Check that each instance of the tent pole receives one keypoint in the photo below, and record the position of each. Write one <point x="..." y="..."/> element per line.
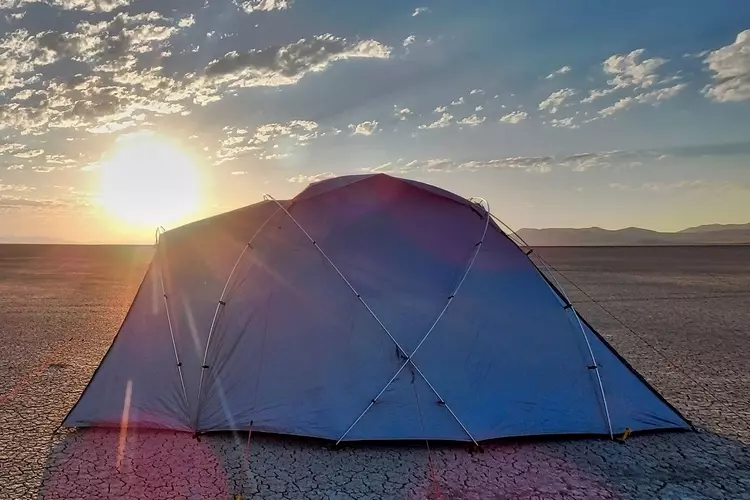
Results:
<point x="372" y="313"/>
<point x="219" y="306"/>
<point x="595" y="365"/>
<point x="159" y="231"/>
<point x="409" y="359"/>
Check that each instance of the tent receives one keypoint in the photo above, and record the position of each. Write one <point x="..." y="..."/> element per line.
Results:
<point x="367" y="307"/>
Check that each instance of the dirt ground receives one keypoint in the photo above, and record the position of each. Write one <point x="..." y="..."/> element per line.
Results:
<point x="684" y="323"/>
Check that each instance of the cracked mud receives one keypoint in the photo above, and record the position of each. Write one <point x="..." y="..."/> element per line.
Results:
<point x="60" y="308"/>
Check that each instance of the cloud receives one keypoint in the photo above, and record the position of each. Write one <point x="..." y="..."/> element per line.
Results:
<point x="287" y="64"/>
<point x="264" y="5"/>
<point x="420" y="10"/>
<point x="561" y="71"/>
<point x="731" y="70"/>
<point x="476" y="91"/>
<point x="23" y="202"/>
<point x="403" y="113"/>
<point x="409" y="40"/>
<point x="15" y="187"/>
<point x="555" y="100"/>
<point x="564" y="123"/>
<point x="457" y="102"/>
<point x="32" y="153"/>
<point x="84" y="5"/>
<point x="685" y="185"/>
<point x="530" y="164"/>
<point x="445" y="120"/>
<point x="630" y="71"/>
<point x="654" y="97"/>
<point x="596" y="94"/>
<point x="580" y="162"/>
<point x="309" y="179"/>
<point x="364" y="128"/>
<point x="515" y="117"/>
<point x="266" y="139"/>
<point x="472" y="120"/>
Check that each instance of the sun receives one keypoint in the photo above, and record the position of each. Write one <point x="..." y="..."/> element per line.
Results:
<point x="148" y="181"/>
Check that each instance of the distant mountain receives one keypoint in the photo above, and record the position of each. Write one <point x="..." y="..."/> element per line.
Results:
<point x="715" y="227"/>
<point x="31" y="240"/>
<point x="713" y="234"/>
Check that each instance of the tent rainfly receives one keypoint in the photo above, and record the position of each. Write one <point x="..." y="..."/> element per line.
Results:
<point x="368" y="307"/>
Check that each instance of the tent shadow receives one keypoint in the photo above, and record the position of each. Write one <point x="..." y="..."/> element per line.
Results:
<point x="99" y="463"/>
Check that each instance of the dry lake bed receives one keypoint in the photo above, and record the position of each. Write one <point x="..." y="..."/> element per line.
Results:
<point x="684" y="323"/>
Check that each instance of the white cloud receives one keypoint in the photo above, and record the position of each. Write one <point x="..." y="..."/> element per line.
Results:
<point x="264" y="5"/>
<point x="186" y="22"/>
<point x="420" y="10"/>
<point x="479" y="108"/>
<point x="731" y="67"/>
<point x="309" y="179"/>
<point x="364" y="128"/>
<point x="457" y="102"/>
<point x="476" y="91"/>
<point x="409" y="40"/>
<point x="472" y="120"/>
<point x="580" y="162"/>
<point x="403" y="113"/>
<point x="264" y="141"/>
<point x="564" y="123"/>
<point x="514" y="117"/>
<point x="440" y="109"/>
<point x="629" y="71"/>
<point x="286" y="65"/>
<point x="31" y="153"/>
<point x="445" y="120"/>
<point x="555" y="100"/>
<point x="596" y="94"/>
<point x="15" y="187"/>
<point x="561" y="71"/>
<point x="654" y="97"/>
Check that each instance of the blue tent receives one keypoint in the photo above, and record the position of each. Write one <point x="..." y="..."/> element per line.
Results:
<point x="366" y="308"/>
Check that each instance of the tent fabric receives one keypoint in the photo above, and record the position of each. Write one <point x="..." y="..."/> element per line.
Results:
<point x="295" y="351"/>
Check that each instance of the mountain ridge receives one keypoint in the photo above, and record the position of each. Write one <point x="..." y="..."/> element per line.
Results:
<point x="709" y="234"/>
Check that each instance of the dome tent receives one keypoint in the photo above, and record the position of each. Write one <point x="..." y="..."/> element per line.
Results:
<point x="366" y="308"/>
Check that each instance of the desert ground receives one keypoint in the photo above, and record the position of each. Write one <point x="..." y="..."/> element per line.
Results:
<point x="684" y="323"/>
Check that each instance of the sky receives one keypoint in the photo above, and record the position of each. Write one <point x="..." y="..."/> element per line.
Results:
<point x="560" y="114"/>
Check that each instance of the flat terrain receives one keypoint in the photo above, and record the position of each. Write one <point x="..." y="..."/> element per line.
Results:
<point x="688" y="309"/>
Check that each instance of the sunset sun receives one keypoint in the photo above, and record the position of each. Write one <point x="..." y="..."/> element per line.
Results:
<point x="148" y="181"/>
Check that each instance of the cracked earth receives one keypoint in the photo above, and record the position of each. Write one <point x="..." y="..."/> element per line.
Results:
<point x="689" y="309"/>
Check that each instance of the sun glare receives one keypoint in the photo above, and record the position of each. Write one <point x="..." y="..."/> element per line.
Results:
<point x="148" y="181"/>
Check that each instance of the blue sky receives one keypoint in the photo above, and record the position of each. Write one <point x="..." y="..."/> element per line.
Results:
<point x="574" y="114"/>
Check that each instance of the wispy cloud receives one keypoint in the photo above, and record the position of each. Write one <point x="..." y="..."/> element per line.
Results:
<point x="654" y="97"/>
<point x="309" y="179"/>
<point x="264" y="5"/>
<point x="561" y="71"/>
<point x="420" y="10"/>
<point x="445" y="120"/>
<point x="555" y="100"/>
